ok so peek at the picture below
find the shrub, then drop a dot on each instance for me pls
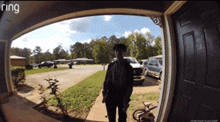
(18, 76)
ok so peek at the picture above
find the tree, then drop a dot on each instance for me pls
(150, 51)
(16, 51)
(67, 55)
(125, 41)
(131, 46)
(87, 50)
(137, 45)
(111, 42)
(104, 38)
(140, 46)
(101, 52)
(158, 45)
(31, 60)
(27, 53)
(62, 54)
(37, 54)
(76, 50)
(47, 56)
(150, 38)
(56, 52)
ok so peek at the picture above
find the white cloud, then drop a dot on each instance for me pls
(136, 31)
(143, 31)
(68, 27)
(63, 28)
(107, 17)
(45, 44)
(127, 33)
(88, 41)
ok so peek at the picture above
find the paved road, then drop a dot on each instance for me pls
(67, 78)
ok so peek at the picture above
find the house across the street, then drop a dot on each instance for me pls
(83, 60)
(62, 61)
(17, 60)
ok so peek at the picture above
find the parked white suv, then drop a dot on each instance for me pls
(137, 68)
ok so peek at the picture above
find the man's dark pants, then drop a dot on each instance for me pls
(111, 106)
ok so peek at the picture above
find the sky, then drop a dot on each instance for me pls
(68, 32)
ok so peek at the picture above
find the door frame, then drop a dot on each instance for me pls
(169, 61)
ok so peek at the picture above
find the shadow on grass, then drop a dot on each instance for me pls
(23, 88)
(149, 81)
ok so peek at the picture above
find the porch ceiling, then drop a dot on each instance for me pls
(34, 12)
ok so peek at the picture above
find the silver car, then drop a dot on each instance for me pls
(154, 68)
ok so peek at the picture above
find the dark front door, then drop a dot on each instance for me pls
(197, 89)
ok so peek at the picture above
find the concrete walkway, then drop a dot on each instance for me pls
(98, 110)
(17, 110)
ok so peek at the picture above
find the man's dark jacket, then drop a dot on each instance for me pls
(113, 92)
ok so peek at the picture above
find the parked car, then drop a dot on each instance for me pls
(154, 68)
(28, 67)
(144, 62)
(34, 65)
(137, 68)
(45, 64)
(70, 64)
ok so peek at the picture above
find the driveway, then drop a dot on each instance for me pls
(67, 78)
(150, 84)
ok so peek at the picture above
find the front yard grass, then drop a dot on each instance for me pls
(43, 69)
(80, 97)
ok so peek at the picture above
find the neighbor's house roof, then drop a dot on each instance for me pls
(123, 57)
(82, 59)
(61, 60)
(17, 60)
(16, 57)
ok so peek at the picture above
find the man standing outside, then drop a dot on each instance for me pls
(118, 85)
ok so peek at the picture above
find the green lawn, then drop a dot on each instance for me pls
(80, 97)
(136, 103)
(43, 69)
(139, 98)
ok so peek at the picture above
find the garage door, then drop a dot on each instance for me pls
(197, 90)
